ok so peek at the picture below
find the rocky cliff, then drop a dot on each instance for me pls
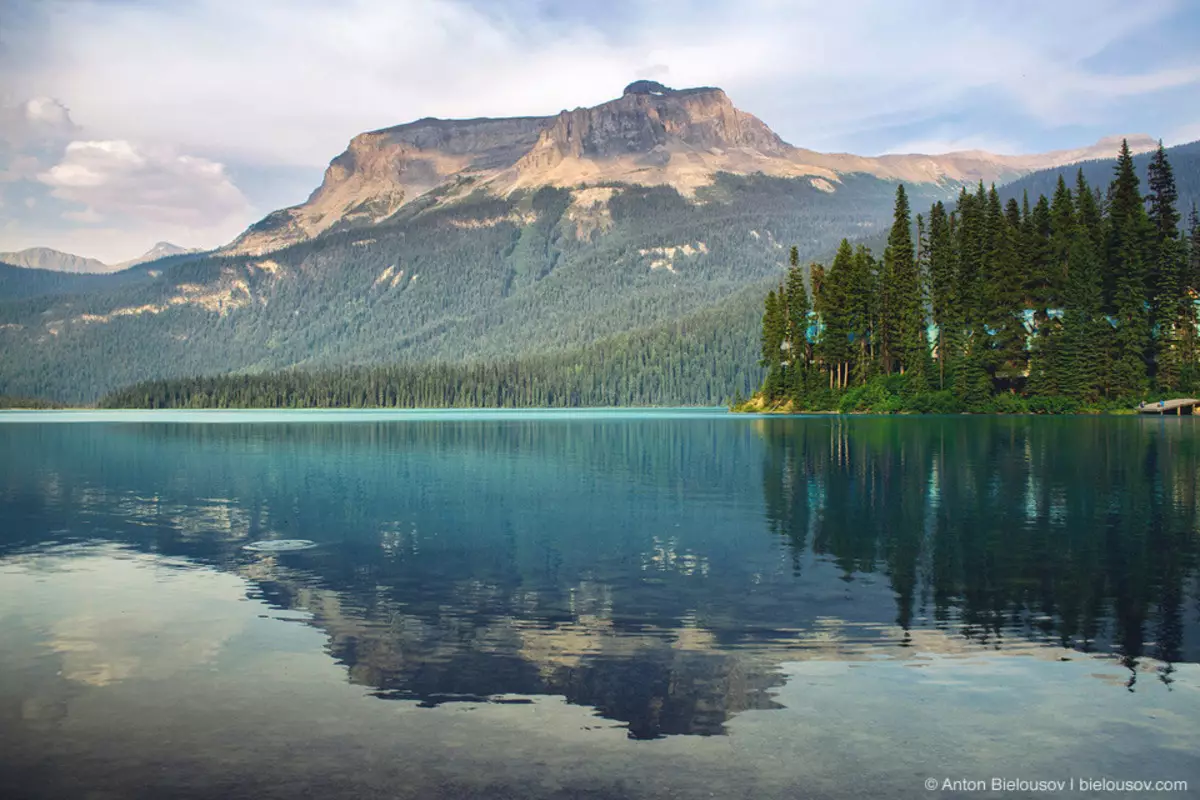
(382, 170)
(651, 135)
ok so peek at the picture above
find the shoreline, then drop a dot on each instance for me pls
(755, 405)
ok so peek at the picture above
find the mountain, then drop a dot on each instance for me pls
(650, 136)
(490, 239)
(45, 258)
(55, 261)
(159, 251)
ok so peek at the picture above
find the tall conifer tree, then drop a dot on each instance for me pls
(799, 307)
(907, 334)
(944, 287)
(835, 317)
(1171, 308)
(864, 295)
(773, 334)
(1127, 237)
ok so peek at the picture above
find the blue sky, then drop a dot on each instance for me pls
(123, 122)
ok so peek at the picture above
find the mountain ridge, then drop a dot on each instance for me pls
(651, 135)
(46, 258)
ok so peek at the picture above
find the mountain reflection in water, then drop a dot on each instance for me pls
(659, 569)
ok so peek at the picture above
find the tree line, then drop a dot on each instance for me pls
(1083, 300)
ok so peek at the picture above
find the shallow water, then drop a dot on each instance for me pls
(594, 604)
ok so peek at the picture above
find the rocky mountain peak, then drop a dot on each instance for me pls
(648, 117)
(651, 134)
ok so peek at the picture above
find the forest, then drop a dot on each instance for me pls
(1082, 301)
(706, 359)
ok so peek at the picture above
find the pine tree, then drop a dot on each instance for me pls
(1063, 228)
(1085, 330)
(773, 332)
(1171, 307)
(906, 323)
(1005, 351)
(1048, 348)
(799, 348)
(836, 320)
(1189, 378)
(944, 295)
(863, 291)
(1088, 211)
(1193, 269)
(1127, 237)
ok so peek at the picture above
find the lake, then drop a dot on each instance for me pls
(595, 604)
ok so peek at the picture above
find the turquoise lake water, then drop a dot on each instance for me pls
(598, 603)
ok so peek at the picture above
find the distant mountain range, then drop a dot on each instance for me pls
(56, 261)
(602, 232)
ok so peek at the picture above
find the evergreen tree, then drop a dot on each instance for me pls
(906, 313)
(1127, 234)
(1062, 230)
(1085, 329)
(1171, 307)
(773, 334)
(836, 319)
(1088, 212)
(944, 294)
(799, 309)
(863, 294)
(1004, 320)
(1189, 378)
(1047, 346)
(1193, 270)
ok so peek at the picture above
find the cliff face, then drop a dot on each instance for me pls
(651, 135)
(382, 170)
(640, 122)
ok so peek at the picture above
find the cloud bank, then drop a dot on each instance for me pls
(277, 87)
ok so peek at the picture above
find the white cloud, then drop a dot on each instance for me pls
(48, 113)
(32, 133)
(284, 83)
(131, 197)
(148, 186)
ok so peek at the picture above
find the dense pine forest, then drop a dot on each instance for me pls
(705, 359)
(1085, 300)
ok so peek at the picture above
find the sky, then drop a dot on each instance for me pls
(128, 122)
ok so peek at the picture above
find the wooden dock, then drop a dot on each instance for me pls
(1185, 405)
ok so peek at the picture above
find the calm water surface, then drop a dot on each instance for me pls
(594, 604)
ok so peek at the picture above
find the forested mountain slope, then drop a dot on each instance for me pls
(484, 278)
(1185, 164)
(17, 282)
(707, 358)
